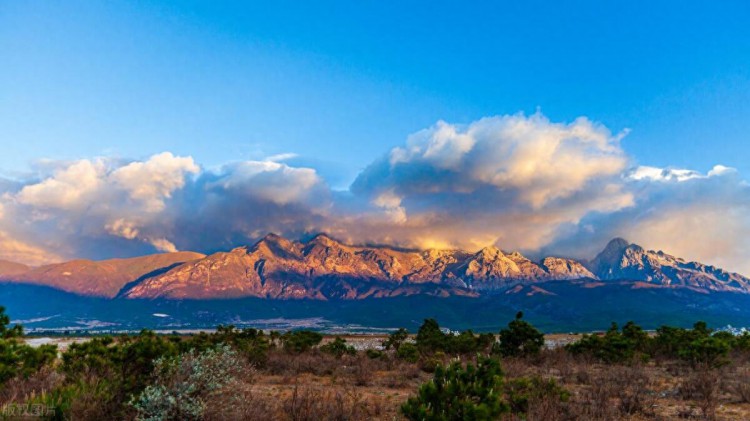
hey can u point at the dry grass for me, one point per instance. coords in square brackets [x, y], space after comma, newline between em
[19, 388]
[318, 386]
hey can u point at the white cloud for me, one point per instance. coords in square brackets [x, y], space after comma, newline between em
[102, 208]
[153, 181]
[90, 201]
[271, 181]
[69, 188]
[698, 216]
[391, 202]
[510, 180]
[122, 228]
[281, 157]
[514, 181]
[541, 160]
[704, 217]
[674, 174]
[164, 245]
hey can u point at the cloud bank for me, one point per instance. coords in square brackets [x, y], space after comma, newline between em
[518, 182]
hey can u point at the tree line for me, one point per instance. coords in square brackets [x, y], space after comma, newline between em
[148, 376]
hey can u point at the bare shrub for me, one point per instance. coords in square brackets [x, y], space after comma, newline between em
[686, 412]
[303, 404]
[702, 387]
[312, 404]
[363, 371]
[402, 375]
[568, 368]
[550, 409]
[634, 388]
[596, 400]
[242, 404]
[280, 364]
[677, 369]
[356, 370]
[557, 362]
[20, 388]
[616, 391]
[517, 367]
[740, 358]
[313, 362]
[740, 387]
[93, 401]
[549, 403]
[582, 376]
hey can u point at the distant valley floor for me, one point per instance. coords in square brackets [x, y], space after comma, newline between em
[563, 307]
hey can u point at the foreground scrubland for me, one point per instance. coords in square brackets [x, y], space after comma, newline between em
[231, 374]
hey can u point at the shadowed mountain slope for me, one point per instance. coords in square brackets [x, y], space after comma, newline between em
[99, 278]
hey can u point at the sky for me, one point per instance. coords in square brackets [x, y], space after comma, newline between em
[134, 127]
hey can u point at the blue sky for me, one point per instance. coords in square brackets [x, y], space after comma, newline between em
[142, 126]
[342, 82]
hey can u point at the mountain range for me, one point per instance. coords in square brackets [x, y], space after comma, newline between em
[325, 269]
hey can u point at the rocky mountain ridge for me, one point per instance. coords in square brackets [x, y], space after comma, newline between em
[622, 260]
[325, 269]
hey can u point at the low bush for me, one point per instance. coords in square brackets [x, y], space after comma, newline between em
[185, 386]
[300, 341]
[338, 347]
[614, 346]
[408, 352]
[520, 338]
[17, 358]
[253, 344]
[395, 339]
[374, 354]
[431, 339]
[708, 351]
[525, 393]
[474, 392]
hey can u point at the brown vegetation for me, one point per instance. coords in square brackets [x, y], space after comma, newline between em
[315, 386]
[318, 386]
[249, 375]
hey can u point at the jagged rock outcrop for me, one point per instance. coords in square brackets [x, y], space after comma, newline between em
[324, 268]
[490, 268]
[621, 260]
[566, 269]
[321, 268]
